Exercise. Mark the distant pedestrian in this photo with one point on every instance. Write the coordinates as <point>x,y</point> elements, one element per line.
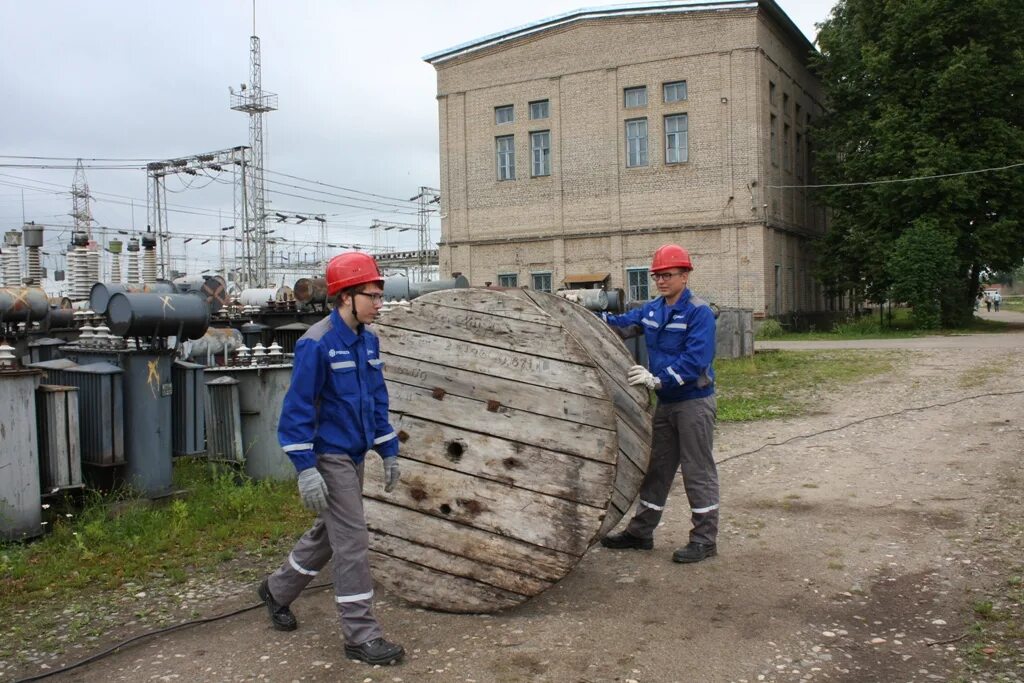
<point>996,298</point>
<point>988,302</point>
<point>679,329</point>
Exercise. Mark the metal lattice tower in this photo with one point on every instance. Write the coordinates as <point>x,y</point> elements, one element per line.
<point>254,101</point>
<point>220,161</point>
<point>80,199</point>
<point>428,199</point>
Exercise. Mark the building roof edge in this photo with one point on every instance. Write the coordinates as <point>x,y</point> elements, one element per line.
<point>631,9</point>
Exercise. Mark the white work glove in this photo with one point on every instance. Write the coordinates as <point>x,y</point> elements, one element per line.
<point>638,374</point>
<point>313,489</point>
<point>391,473</point>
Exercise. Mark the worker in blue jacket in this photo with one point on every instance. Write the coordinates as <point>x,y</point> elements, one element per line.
<point>336,410</point>
<point>679,329</point>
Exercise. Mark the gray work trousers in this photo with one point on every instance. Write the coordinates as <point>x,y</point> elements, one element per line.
<point>682,439</point>
<point>339,530</point>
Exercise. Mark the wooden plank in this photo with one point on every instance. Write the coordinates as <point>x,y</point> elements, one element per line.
<point>594,334</point>
<point>527,368</point>
<point>449,565</point>
<point>493,301</point>
<point>508,462</point>
<point>465,541</point>
<point>428,588</point>
<point>524,515</point>
<point>506,423</point>
<point>508,390</point>
<point>481,328</point>
<point>632,445</point>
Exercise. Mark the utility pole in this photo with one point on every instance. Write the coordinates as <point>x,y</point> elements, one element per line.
<point>251,99</point>
<point>428,199</point>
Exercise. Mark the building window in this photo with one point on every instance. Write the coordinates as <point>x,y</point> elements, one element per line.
<point>796,117</point>
<point>771,93</point>
<point>638,284</point>
<point>785,147</point>
<point>636,142</point>
<point>798,149</point>
<point>508,280</point>
<point>541,281</point>
<point>785,103</point>
<point>676,140</point>
<point>773,134</point>
<point>635,97</point>
<point>540,150</point>
<point>539,109</point>
<point>675,91</point>
<point>506,157</point>
<point>504,114</point>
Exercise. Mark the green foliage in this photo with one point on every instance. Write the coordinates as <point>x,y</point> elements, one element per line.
<point>921,88</point>
<point>770,329</point>
<point>115,538</point>
<point>922,265</point>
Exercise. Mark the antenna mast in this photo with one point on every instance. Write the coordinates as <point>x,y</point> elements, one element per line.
<point>254,101</point>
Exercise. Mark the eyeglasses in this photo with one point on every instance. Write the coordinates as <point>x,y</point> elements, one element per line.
<point>663,276</point>
<point>375,298</point>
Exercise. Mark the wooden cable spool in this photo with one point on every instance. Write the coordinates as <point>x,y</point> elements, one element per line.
<point>522,444</point>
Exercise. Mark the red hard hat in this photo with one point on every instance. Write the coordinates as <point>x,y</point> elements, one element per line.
<point>350,269</point>
<point>671,256</point>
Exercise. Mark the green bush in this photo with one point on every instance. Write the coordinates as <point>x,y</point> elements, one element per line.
<point>769,329</point>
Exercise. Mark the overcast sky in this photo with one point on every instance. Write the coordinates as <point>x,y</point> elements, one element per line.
<point>149,80</point>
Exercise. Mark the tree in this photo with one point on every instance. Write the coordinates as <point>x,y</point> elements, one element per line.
<point>921,88</point>
<point>922,267</point>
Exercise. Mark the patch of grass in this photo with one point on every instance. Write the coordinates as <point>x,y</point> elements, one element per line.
<point>901,326</point>
<point>115,539</point>
<point>1012,303</point>
<point>784,383</point>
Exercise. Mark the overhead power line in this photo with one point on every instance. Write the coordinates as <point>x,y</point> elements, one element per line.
<point>898,180</point>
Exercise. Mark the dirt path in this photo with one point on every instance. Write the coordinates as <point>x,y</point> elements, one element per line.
<point>843,555</point>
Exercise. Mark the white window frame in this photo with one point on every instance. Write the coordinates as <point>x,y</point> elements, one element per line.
<point>535,106</point>
<point>677,90</point>
<point>541,274</point>
<point>677,141</point>
<point>636,143</point>
<point>638,279</point>
<point>508,279</point>
<point>540,154</point>
<point>505,157</point>
<point>638,95</point>
<point>503,109</point>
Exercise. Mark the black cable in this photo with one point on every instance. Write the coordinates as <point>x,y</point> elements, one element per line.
<point>867,419</point>
<point>142,636</point>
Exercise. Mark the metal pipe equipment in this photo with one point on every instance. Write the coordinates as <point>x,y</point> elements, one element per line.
<point>398,287</point>
<point>311,290</point>
<point>20,304</point>
<point>161,315</point>
<point>99,295</point>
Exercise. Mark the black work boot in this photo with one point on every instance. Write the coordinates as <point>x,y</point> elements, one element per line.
<point>695,552</point>
<point>376,651</point>
<point>280,616</point>
<point>627,540</point>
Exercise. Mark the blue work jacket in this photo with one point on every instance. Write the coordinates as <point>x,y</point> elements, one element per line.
<point>337,401</point>
<point>680,344</point>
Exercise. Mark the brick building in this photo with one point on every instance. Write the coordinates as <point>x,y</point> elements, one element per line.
<point>573,147</point>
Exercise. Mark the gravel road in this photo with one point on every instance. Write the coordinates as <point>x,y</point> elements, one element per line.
<point>850,552</point>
